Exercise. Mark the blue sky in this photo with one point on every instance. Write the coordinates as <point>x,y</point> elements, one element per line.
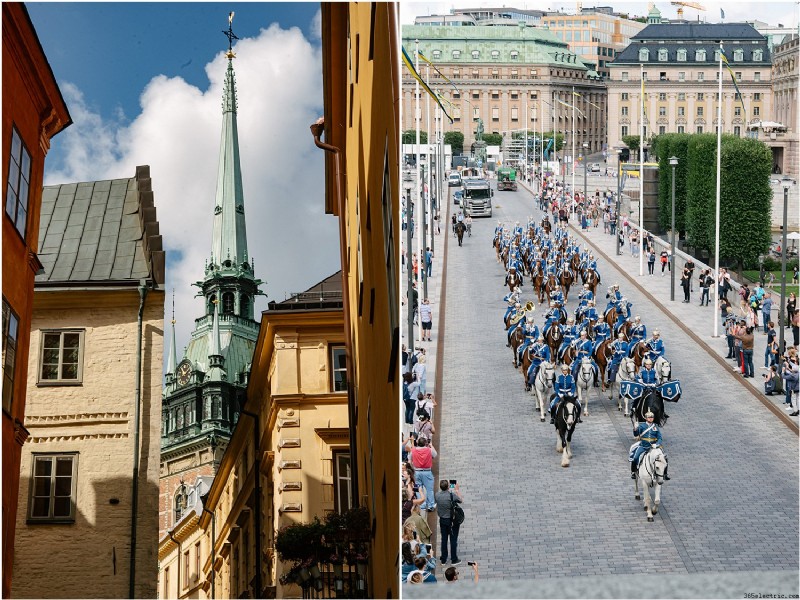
<point>143,83</point>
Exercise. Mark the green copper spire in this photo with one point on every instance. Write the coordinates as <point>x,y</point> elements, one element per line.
<point>230,235</point>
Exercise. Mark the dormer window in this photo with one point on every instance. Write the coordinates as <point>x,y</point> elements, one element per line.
<point>644,54</point>
<point>514,55</point>
<point>437,54</point>
<point>681,54</point>
<point>476,54</point>
<point>738,55</point>
<point>700,55</point>
<point>758,55</point>
<point>716,55</point>
<point>456,53</point>
<point>495,54</point>
<point>663,54</point>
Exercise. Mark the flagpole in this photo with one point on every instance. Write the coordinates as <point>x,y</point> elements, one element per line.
<point>429,173</point>
<point>541,148</point>
<point>719,163</point>
<point>527,117</point>
<point>641,179</point>
<point>419,206</point>
<point>573,151</point>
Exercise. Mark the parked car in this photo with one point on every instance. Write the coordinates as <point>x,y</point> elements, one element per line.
<point>457,196</point>
<point>594,167</point>
<point>454,180</point>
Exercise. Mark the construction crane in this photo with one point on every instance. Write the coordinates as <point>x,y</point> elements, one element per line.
<point>680,6</point>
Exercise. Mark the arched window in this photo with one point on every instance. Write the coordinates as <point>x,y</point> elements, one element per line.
<point>476,54</point>
<point>227,303</point>
<point>456,53</point>
<point>495,54</point>
<point>758,55</point>
<point>187,415</point>
<point>514,55</point>
<point>644,54</point>
<point>738,55</point>
<point>663,54</point>
<point>437,53</point>
<point>244,306</point>
<point>681,54</point>
<point>700,55</point>
<point>180,502</point>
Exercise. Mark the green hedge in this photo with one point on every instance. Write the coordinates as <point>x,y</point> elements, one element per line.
<point>701,190</point>
<point>668,145</point>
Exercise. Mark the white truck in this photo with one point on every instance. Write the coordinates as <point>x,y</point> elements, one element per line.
<point>477,200</point>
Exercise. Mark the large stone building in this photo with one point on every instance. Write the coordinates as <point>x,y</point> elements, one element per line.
<point>597,35</point>
<point>680,65</point>
<point>33,112</point>
<point>510,78</point>
<point>86,520</point>
<point>361,93</point>
<point>204,392</point>
<point>785,84</point>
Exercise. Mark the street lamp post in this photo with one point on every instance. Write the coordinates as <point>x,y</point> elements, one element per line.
<point>423,272</point>
<point>619,199</point>
<point>786,182</point>
<point>585,169</point>
<point>673,160</point>
<point>409,270</point>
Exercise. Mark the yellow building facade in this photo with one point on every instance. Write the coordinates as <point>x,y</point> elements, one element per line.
<point>361,91</point>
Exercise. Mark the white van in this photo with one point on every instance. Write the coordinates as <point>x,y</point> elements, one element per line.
<point>454,180</point>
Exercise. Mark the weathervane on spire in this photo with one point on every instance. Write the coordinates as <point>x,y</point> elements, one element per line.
<point>173,306</point>
<point>230,35</point>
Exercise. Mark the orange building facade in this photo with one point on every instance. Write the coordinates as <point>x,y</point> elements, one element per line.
<point>33,112</point>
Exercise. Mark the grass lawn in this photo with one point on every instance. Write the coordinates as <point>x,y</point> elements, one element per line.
<point>753,276</point>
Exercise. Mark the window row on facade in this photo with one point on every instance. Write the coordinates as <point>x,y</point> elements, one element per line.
<point>662,129</point>
<point>700,55</point>
<point>681,96</point>
<point>696,76</point>
<point>500,73</point>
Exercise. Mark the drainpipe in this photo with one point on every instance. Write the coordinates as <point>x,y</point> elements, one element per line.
<point>257,486</point>
<point>316,130</point>
<point>213,551</point>
<point>137,416</point>
<point>180,557</point>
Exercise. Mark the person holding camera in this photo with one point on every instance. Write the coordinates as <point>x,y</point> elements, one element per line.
<point>422,457</point>
<point>448,495</point>
<point>451,575</point>
<point>423,427</point>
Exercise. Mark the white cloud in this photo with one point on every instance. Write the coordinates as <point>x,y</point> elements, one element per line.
<point>279,86</point>
<point>316,26</point>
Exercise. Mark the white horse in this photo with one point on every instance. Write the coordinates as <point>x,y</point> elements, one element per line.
<point>625,372</point>
<point>663,370</point>
<point>583,382</point>
<point>543,382</point>
<point>651,473</point>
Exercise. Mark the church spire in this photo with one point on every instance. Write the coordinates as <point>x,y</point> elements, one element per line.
<point>172,360</point>
<point>230,237</point>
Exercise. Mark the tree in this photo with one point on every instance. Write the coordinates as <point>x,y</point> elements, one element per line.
<point>701,190</point>
<point>632,142</point>
<point>410,137</point>
<point>548,135</point>
<point>456,141</point>
<point>492,139</point>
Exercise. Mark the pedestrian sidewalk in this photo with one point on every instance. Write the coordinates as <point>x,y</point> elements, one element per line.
<point>698,320</point>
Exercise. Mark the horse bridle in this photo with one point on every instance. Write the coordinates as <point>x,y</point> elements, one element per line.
<point>654,476</point>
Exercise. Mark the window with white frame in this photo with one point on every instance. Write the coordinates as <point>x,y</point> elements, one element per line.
<point>495,54</point>
<point>700,55</point>
<point>476,54</point>
<point>624,95</point>
<point>644,54</point>
<point>663,54</point>
<point>662,96</point>
<point>514,55</point>
<point>338,362</point>
<point>681,129</point>
<point>716,55</point>
<point>53,485</point>
<point>738,55</point>
<point>681,95</point>
<point>681,75</point>
<point>17,187</point>
<point>700,96</point>
<point>624,130</point>
<point>756,111</point>
<point>456,53</point>
<point>624,111</point>
<point>515,114</point>
<point>681,55</point>
<point>624,76</point>
<point>10,334</point>
<point>737,131</point>
<point>681,111</point>
<point>756,76</point>
<point>61,357</point>
<point>699,129</point>
<point>758,55</point>
<point>662,111</point>
<point>437,54</point>
<point>495,114</point>
<point>341,481</point>
<point>699,111</point>
<point>514,74</point>
<point>701,76</point>
<point>737,111</point>
<point>662,129</point>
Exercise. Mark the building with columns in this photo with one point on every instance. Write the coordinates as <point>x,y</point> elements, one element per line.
<point>510,77</point>
<point>679,64</point>
<point>204,391</point>
<point>785,83</point>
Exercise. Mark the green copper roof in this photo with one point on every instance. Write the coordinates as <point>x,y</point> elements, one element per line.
<point>502,45</point>
<point>230,235</point>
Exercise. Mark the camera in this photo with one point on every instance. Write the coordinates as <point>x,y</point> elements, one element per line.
<point>453,483</point>
<point>470,563</point>
<point>429,547</point>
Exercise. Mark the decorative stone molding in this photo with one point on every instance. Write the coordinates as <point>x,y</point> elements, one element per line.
<point>77,419</point>
<point>288,422</point>
<point>291,486</point>
<point>20,433</point>
<point>289,443</point>
<point>72,438</point>
<point>291,507</point>
<point>289,464</point>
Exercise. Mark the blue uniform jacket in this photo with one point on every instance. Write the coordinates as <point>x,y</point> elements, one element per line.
<point>656,348</point>
<point>638,332</point>
<point>539,353</point>
<point>649,433</point>
<point>647,376</point>
<point>565,384</point>
<point>620,348</point>
<point>584,348</point>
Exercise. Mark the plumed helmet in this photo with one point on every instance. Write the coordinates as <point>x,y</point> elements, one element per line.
<point>565,368</point>
<point>638,319</point>
<point>656,333</point>
<point>615,286</point>
<point>540,338</point>
<point>586,286</point>
<point>583,333</point>
<point>620,336</point>
<point>649,415</point>
<point>517,305</point>
<point>648,362</point>
<point>552,303</point>
<point>571,320</point>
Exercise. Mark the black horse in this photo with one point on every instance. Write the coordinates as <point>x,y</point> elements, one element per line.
<point>653,401</point>
<point>566,416</point>
<point>460,229</point>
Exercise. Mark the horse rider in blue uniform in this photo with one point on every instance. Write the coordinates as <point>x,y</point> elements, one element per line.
<point>512,298</point>
<point>551,317</point>
<point>601,332</point>
<point>564,386</point>
<point>571,332</point>
<point>583,346</point>
<point>590,312</point>
<point>613,296</point>
<point>638,330</point>
<point>557,295</point>
<point>655,345</point>
<point>517,319</point>
<point>512,272</point>
<point>531,335</point>
<point>539,352</point>
<point>649,436</point>
<point>623,314</point>
<point>585,295</point>
<point>619,347</point>
<point>647,377</point>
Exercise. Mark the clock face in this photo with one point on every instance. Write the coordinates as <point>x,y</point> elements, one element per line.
<point>184,373</point>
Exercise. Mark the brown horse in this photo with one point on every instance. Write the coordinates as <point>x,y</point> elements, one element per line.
<point>516,341</point>
<point>611,317</point>
<point>550,284</point>
<point>513,280</point>
<point>537,277</point>
<point>460,229</point>
<point>554,339</point>
<point>574,264</point>
<point>591,277</point>
<point>566,278</point>
<point>602,355</point>
<point>569,355</point>
<point>547,226</point>
<point>638,353</point>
